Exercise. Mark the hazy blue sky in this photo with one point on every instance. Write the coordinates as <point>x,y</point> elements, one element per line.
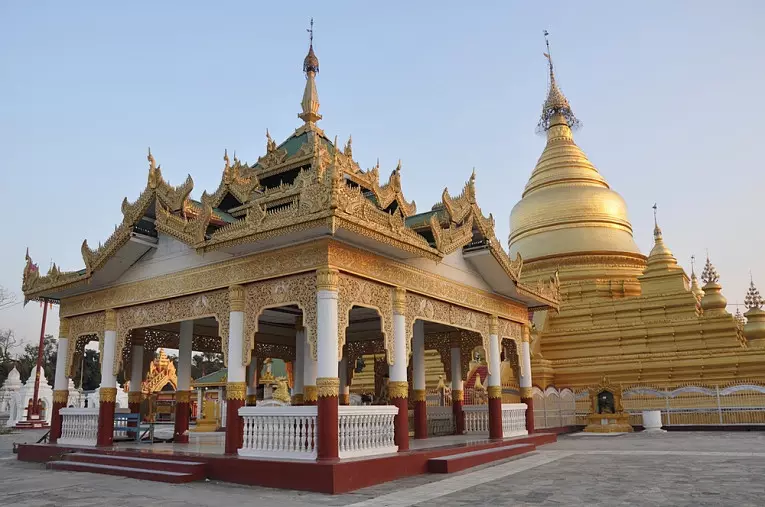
<point>668,94</point>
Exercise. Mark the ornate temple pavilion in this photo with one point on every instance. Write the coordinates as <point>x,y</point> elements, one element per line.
<point>306,257</point>
<point>633,318</point>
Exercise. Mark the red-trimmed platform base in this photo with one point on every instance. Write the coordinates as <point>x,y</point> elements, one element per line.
<point>324,476</point>
<point>150,469</point>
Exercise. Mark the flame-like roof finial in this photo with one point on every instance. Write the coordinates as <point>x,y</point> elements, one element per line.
<point>753,298</point>
<point>310,102</point>
<point>556,103</point>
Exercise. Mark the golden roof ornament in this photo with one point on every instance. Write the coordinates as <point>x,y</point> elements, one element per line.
<point>709,275</point>
<point>754,325</point>
<point>713,301</point>
<point>695,287</point>
<point>310,102</point>
<point>270,143</point>
<point>753,298</point>
<point>348,151</point>
<point>556,103</point>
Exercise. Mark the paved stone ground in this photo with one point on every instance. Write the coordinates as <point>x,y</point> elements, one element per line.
<point>668,469</point>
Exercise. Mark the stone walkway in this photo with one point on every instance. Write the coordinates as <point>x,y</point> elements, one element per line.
<point>668,469</point>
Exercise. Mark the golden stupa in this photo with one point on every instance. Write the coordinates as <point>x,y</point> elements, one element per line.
<point>633,318</point>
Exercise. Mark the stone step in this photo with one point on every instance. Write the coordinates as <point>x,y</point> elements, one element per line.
<point>123,471</point>
<point>195,468</point>
<point>456,462</point>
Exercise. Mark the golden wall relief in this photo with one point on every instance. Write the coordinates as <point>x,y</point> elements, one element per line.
<point>387,271</point>
<point>211,304</point>
<point>216,276</point>
<point>433,310</point>
<point>297,290</point>
<point>353,291</point>
<point>83,329</point>
<point>274,351</point>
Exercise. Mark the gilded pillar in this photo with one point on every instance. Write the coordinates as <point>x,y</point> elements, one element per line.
<point>494,388</point>
<point>418,372</point>
<point>236,386</point>
<point>60,385</point>
<point>183,394</point>
<point>107,392</point>
<point>398,386</point>
<point>524,379</point>
<point>327,381</point>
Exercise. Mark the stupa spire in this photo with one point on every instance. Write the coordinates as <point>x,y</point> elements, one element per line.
<point>661,257</point>
<point>695,287</point>
<point>310,102</point>
<point>556,108</point>
<point>713,300</point>
<point>754,327</point>
<point>753,298</point>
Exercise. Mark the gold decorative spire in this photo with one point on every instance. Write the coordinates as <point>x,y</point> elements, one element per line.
<point>713,301</point>
<point>660,257</point>
<point>709,275</point>
<point>695,287</point>
<point>310,103</point>
<point>753,298</point>
<point>754,327</point>
<point>556,107</point>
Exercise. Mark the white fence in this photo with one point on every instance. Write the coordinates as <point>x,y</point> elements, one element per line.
<point>279,432</point>
<point>554,408</point>
<point>513,419</point>
<point>79,426</point>
<point>366,430</point>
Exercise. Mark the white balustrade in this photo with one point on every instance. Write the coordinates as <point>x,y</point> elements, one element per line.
<point>440,421</point>
<point>279,432</point>
<point>514,419</point>
<point>476,418</point>
<point>79,426</point>
<point>366,430</point>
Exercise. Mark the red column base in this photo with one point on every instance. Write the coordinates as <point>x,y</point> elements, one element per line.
<point>181,433</point>
<point>420,419</point>
<point>495,418</point>
<point>459,417</point>
<point>234,430</point>
<point>529,414</point>
<point>55,422</point>
<point>401,423</point>
<point>326,430</point>
<point>105,436</point>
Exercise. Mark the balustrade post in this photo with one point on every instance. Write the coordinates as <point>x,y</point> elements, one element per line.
<point>236,386</point>
<point>107,392</point>
<point>525,379</point>
<point>327,381</point>
<point>60,385</point>
<point>494,388</point>
<point>418,372</point>
<point>398,387</point>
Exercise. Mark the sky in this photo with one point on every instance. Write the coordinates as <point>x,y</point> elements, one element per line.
<point>667,92</point>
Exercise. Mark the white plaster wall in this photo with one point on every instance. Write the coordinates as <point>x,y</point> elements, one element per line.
<point>170,256</point>
<point>453,266</point>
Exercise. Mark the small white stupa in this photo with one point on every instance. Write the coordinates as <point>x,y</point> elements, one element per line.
<point>8,392</point>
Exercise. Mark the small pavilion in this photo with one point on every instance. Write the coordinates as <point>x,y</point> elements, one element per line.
<point>306,257</point>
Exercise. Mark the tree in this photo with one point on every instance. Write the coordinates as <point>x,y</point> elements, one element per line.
<point>7,298</point>
<point>91,374</point>
<point>7,342</point>
<point>28,360</point>
<point>205,363</point>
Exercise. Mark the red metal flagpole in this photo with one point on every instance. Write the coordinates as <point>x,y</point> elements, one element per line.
<point>35,409</point>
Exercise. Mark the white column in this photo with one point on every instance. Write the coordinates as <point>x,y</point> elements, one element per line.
<point>418,355</point>
<point>495,373</point>
<point>61,383</point>
<point>108,378</point>
<point>236,370</point>
<point>398,368</point>
<point>184,355</point>
<point>524,378</point>
<point>299,368</point>
<point>252,377</point>
<point>136,368</point>
<point>326,335</point>
<point>456,369</point>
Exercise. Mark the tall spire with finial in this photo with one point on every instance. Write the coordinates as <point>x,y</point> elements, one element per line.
<point>310,103</point>
<point>556,105</point>
<point>695,287</point>
<point>753,298</point>
<point>754,328</point>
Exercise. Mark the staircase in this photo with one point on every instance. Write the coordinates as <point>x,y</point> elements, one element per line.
<point>149,469</point>
<point>460,461</point>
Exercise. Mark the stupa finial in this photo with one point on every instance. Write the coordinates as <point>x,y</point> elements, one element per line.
<point>556,103</point>
<point>709,275</point>
<point>310,102</point>
<point>753,298</point>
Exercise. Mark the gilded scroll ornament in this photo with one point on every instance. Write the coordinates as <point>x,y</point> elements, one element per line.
<point>135,397</point>
<point>494,391</point>
<point>458,395</point>
<point>327,387</point>
<point>355,291</point>
<point>107,394</point>
<point>63,327</point>
<point>236,391</point>
<point>526,392</point>
<point>493,325</point>
<point>182,396</point>
<point>110,320</point>
<point>526,335</point>
<point>61,396</point>
<point>299,290</point>
<point>398,389</point>
<point>310,394</point>
<point>399,301</point>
